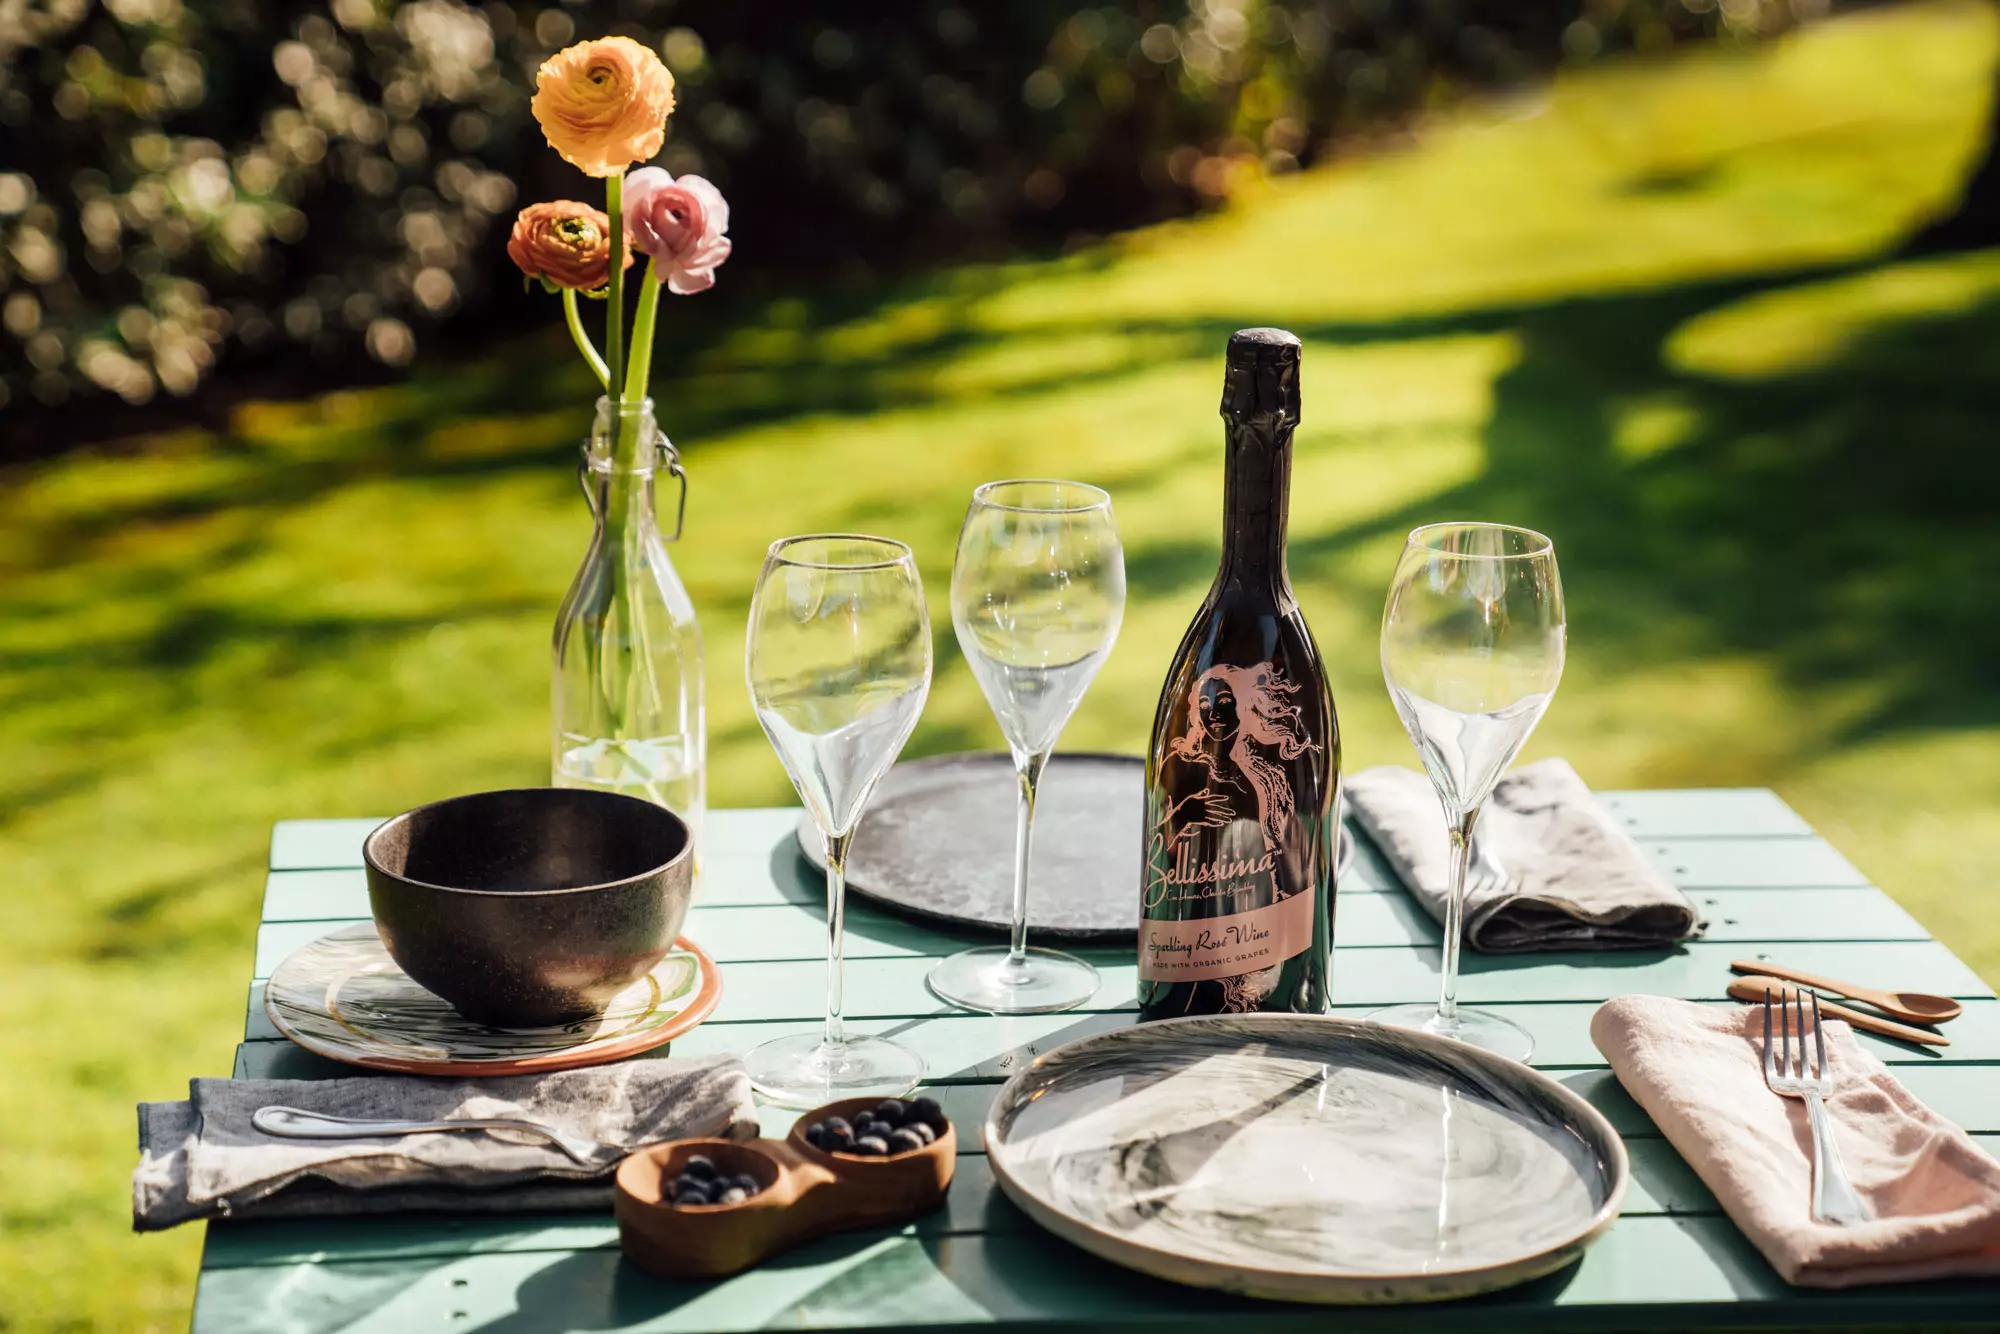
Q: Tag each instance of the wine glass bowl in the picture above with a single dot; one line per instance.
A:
(1037, 597)
(1473, 642)
(838, 660)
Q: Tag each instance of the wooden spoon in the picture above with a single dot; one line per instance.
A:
(1912, 1007)
(1753, 989)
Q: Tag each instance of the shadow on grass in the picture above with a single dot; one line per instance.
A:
(1838, 520)
(1843, 520)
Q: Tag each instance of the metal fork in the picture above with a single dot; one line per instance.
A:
(1800, 1075)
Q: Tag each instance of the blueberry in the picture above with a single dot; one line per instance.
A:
(870, 1146)
(698, 1167)
(689, 1191)
(891, 1111)
(734, 1195)
(816, 1134)
(927, 1110)
(870, 1126)
(904, 1140)
(838, 1138)
(922, 1130)
(837, 1126)
(746, 1183)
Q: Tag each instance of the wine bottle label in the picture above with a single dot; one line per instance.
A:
(1224, 895)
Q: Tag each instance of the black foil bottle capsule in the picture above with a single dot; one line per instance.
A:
(1243, 773)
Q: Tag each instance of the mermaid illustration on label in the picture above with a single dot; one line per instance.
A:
(1237, 718)
(1233, 710)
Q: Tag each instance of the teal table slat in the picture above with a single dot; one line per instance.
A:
(1390, 948)
(1760, 854)
(968, 1046)
(1726, 812)
(893, 988)
(1766, 884)
(1646, 1273)
(775, 931)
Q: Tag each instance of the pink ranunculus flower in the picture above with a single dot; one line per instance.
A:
(680, 224)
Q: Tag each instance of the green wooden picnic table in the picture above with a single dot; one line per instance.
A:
(1767, 884)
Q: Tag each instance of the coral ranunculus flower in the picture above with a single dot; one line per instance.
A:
(604, 105)
(680, 223)
(564, 243)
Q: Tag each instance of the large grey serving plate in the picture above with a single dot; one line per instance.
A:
(937, 843)
(1304, 1158)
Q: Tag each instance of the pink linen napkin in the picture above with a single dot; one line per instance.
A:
(1698, 1070)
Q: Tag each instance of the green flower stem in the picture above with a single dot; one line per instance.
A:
(629, 682)
(641, 368)
(614, 317)
(582, 338)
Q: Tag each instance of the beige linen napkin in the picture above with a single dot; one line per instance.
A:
(1573, 879)
(204, 1159)
(1698, 1070)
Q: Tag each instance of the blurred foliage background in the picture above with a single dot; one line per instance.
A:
(299, 190)
(1709, 292)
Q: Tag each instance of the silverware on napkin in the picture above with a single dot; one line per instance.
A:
(1806, 1075)
(292, 1123)
(216, 1154)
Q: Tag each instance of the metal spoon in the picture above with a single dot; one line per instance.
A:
(1912, 1007)
(292, 1123)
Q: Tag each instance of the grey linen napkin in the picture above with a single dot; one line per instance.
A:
(1573, 879)
(203, 1159)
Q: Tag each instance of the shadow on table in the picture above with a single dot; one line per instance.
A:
(871, 1280)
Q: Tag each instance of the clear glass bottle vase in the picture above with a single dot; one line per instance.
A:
(627, 681)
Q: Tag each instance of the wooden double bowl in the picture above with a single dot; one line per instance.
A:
(803, 1193)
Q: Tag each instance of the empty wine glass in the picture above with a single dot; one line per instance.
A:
(839, 663)
(1472, 649)
(1037, 594)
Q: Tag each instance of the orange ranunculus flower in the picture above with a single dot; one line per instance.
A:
(604, 105)
(564, 243)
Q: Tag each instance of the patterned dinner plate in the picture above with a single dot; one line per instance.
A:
(344, 998)
(1306, 1158)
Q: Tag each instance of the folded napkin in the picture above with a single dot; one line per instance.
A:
(1698, 1070)
(203, 1159)
(1573, 879)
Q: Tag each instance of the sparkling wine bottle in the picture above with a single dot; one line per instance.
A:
(1243, 773)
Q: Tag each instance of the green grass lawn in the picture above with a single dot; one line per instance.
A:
(1656, 314)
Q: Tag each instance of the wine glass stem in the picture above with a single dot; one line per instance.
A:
(1028, 769)
(1454, 914)
(836, 920)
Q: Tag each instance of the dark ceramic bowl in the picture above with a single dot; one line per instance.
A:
(530, 908)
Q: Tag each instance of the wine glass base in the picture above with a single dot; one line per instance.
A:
(987, 980)
(805, 1070)
(1476, 1028)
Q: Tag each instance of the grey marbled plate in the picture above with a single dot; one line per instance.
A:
(1305, 1158)
(937, 842)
